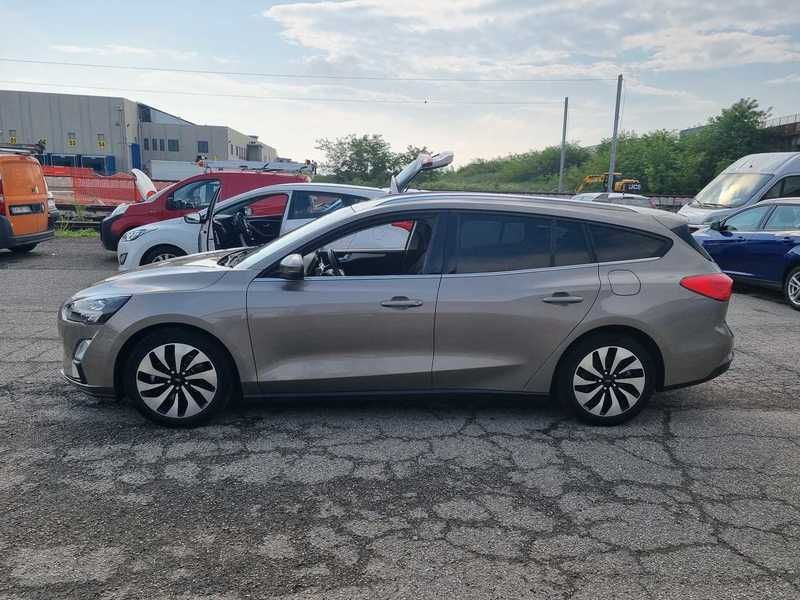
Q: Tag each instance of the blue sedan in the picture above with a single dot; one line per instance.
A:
(759, 245)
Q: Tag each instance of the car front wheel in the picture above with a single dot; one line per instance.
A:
(160, 254)
(606, 379)
(178, 377)
(791, 288)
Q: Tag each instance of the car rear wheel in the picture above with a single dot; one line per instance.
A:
(23, 249)
(178, 377)
(160, 254)
(606, 379)
(791, 288)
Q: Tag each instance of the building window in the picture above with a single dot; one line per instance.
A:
(154, 144)
(202, 147)
(172, 145)
(146, 143)
(161, 144)
(231, 147)
(72, 139)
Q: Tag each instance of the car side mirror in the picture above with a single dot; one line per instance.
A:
(292, 267)
(717, 226)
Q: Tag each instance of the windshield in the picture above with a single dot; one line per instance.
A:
(729, 190)
(288, 240)
(161, 192)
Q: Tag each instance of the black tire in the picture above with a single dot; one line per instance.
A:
(599, 396)
(792, 279)
(23, 249)
(199, 403)
(156, 253)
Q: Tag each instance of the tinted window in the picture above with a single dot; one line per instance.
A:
(570, 246)
(312, 205)
(615, 243)
(487, 242)
(791, 187)
(747, 220)
(784, 218)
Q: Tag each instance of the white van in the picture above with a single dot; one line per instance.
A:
(749, 180)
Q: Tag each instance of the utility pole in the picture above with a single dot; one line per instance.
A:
(613, 163)
(563, 147)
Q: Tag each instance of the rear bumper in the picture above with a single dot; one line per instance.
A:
(108, 238)
(713, 375)
(9, 240)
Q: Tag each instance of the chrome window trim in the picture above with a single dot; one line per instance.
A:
(561, 268)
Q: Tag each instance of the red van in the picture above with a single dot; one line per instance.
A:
(188, 196)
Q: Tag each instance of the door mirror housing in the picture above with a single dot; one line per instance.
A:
(717, 226)
(292, 267)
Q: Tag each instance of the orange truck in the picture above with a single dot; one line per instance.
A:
(24, 209)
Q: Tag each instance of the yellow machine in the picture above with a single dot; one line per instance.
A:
(620, 184)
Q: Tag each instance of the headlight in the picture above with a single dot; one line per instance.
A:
(135, 234)
(94, 310)
(118, 210)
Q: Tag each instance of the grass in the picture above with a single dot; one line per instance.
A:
(76, 233)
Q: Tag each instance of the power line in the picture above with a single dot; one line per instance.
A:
(421, 102)
(300, 76)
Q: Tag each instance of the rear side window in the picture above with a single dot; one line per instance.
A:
(488, 242)
(615, 243)
(570, 246)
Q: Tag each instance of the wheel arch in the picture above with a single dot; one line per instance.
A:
(160, 245)
(130, 343)
(637, 334)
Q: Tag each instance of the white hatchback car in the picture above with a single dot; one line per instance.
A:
(244, 220)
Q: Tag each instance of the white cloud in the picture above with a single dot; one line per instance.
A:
(787, 80)
(124, 50)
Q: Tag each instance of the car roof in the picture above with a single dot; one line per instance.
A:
(353, 190)
(635, 216)
(792, 201)
(766, 162)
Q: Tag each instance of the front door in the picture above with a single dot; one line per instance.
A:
(728, 247)
(364, 323)
(514, 287)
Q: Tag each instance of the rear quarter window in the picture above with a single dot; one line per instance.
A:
(616, 243)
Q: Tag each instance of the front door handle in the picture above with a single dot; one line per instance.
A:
(401, 302)
(562, 298)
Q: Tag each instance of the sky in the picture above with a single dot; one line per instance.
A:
(515, 61)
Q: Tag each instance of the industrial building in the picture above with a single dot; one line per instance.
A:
(110, 134)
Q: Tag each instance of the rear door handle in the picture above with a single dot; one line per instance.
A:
(562, 298)
(401, 302)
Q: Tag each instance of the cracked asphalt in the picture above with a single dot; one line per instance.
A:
(698, 497)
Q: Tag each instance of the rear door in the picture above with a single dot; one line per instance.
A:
(781, 233)
(25, 194)
(515, 285)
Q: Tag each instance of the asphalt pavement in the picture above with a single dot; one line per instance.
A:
(698, 497)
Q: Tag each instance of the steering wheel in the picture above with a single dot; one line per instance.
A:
(328, 257)
(244, 229)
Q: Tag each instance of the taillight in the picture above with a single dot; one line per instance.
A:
(716, 285)
(2, 199)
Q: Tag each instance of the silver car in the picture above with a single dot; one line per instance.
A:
(599, 305)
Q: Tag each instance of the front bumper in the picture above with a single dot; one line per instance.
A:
(108, 238)
(93, 390)
(9, 240)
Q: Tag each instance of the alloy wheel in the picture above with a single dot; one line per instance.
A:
(176, 380)
(609, 381)
(793, 289)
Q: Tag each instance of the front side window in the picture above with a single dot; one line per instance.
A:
(193, 196)
(747, 220)
(493, 242)
(312, 205)
(784, 218)
(383, 249)
(615, 244)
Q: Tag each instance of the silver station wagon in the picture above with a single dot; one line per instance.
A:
(599, 305)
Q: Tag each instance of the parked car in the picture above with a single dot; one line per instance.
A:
(256, 217)
(185, 197)
(249, 219)
(488, 293)
(759, 245)
(617, 198)
(746, 182)
(24, 203)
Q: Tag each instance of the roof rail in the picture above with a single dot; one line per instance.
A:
(496, 197)
(29, 149)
